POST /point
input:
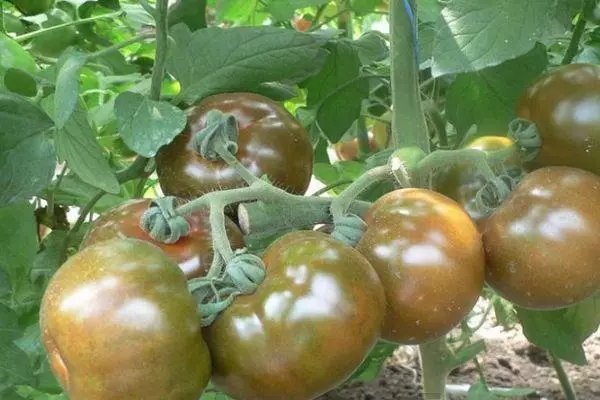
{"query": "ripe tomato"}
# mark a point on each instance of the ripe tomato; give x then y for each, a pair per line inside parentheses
(462, 182)
(542, 244)
(565, 106)
(429, 256)
(271, 142)
(348, 150)
(119, 323)
(192, 253)
(307, 327)
(301, 24)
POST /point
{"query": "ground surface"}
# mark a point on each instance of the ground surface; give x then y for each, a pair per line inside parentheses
(510, 361)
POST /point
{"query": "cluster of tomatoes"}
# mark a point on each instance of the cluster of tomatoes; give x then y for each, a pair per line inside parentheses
(119, 322)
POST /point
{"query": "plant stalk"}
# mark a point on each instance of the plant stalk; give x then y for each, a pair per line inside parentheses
(408, 123)
(577, 33)
(563, 378)
(43, 31)
(434, 366)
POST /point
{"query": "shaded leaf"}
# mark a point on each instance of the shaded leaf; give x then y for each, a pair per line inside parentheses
(27, 159)
(371, 366)
(9, 325)
(20, 82)
(190, 12)
(146, 125)
(215, 60)
(488, 98)
(15, 367)
(563, 331)
(371, 47)
(67, 86)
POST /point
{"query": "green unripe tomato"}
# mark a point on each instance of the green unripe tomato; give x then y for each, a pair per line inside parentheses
(51, 44)
(33, 7)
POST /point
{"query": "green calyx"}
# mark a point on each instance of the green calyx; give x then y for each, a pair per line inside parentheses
(526, 136)
(404, 164)
(162, 223)
(220, 133)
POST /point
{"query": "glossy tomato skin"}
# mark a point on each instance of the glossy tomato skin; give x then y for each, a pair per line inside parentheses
(429, 256)
(307, 327)
(542, 244)
(565, 106)
(271, 142)
(192, 253)
(462, 182)
(118, 323)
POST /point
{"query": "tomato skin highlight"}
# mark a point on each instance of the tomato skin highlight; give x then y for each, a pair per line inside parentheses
(271, 142)
(542, 244)
(118, 323)
(307, 327)
(193, 253)
(429, 256)
(462, 182)
(565, 106)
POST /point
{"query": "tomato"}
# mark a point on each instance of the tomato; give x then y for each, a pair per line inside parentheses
(33, 7)
(565, 106)
(301, 24)
(118, 323)
(348, 150)
(542, 244)
(307, 327)
(271, 142)
(462, 182)
(429, 256)
(52, 44)
(192, 253)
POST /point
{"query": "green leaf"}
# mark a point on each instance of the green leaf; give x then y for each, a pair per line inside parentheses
(9, 325)
(15, 367)
(73, 191)
(563, 331)
(20, 82)
(479, 391)
(190, 12)
(480, 34)
(371, 47)
(12, 55)
(76, 143)
(49, 259)
(281, 10)
(67, 86)
(29, 393)
(217, 60)
(18, 241)
(27, 159)
(487, 98)
(235, 10)
(337, 91)
(146, 125)
(30, 341)
(371, 366)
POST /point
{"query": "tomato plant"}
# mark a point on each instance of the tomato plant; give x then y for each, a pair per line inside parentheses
(540, 244)
(193, 253)
(430, 259)
(52, 45)
(271, 142)
(33, 7)
(316, 288)
(118, 322)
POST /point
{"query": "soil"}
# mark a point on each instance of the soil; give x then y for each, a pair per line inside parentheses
(509, 361)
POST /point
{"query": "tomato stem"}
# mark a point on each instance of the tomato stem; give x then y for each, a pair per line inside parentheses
(40, 32)
(577, 32)
(565, 382)
(408, 123)
(340, 204)
(436, 363)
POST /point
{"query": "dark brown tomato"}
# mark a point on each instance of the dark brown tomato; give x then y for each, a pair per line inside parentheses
(462, 182)
(429, 256)
(118, 323)
(565, 106)
(542, 244)
(271, 142)
(193, 253)
(306, 329)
